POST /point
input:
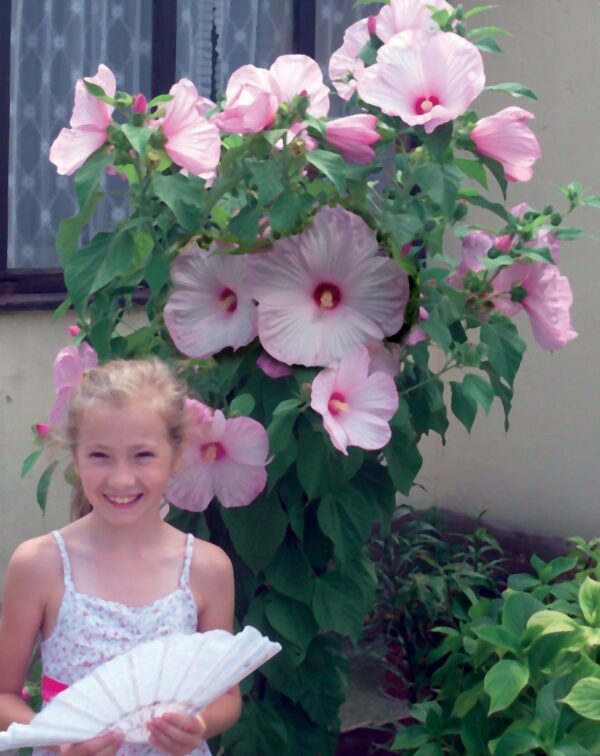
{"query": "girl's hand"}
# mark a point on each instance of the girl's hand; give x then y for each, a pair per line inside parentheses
(104, 745)
(177, 734)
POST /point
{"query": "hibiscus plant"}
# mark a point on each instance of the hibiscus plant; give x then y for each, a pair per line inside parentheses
(295, 270)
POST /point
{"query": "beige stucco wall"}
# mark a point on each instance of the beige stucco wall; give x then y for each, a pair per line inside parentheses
(28, 344)
(543, 475)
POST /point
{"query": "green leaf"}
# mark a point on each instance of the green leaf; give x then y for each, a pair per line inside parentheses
(290, 572)
(106, 257)
(322, 681)
(69, 230)
(488, 44)
(180, 194)
(463, 406)
(411, 737)
(438, 331)
(244, 225)
(286, 213)
(281, 426)
(263, 516)
(589, 600)
(441, 182)
(503, 683)
(439, 140)
(44, 484)
(500, 637)
(292, 619)
(478, 9)
(138, 136)
(157, 274)
(497, 171)
(473, 169)
(402, 454)
(30, 461)
(267, 177)
(90, 174)
(592, 200)
(335, 605)
(569, 233)
(320, 467)
(243, 404)
(331, 165)
(504, 346)
(346, 518)
(473, 391)
(514, 89)
(475, 198)
(517, 609)
(515, 742)
(260, 730)
(584, 698)
(402, 227)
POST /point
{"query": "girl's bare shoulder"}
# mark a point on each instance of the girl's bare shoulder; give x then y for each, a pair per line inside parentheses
(35, 563)
(210, 563)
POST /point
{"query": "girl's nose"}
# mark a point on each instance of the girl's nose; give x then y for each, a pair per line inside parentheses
(122, 476)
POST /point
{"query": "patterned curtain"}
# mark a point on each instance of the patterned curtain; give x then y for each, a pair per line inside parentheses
(53, 43)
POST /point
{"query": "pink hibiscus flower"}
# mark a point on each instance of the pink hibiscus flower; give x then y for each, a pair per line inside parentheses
(325, 290)
(223, 458)
(424, 79)
(273, 368)
(507, 138)
(353, 136)
(254, 94)
(547, 301)
(69, 366)
(408, 15)
(356, 406)
(192, 142)
(210, 308)
(475, 245)
(89, 121)
(345, 66)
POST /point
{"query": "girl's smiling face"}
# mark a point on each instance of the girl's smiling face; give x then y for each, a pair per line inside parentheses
(124, 458)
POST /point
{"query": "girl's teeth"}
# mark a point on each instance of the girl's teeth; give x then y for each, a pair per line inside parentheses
(123, 499)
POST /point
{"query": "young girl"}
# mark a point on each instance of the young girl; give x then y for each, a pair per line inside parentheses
(118, 574)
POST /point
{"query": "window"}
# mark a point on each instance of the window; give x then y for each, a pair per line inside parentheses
(48, 45)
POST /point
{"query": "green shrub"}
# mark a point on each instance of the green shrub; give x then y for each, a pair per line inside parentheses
(520, 675)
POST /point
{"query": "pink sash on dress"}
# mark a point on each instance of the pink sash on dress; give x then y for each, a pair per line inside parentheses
(51, 688)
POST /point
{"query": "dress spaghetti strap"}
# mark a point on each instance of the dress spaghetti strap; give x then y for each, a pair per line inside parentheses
(184, 580)
(64, 555)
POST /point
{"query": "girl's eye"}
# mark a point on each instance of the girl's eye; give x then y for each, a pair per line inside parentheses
(145, 454)
(97, 455)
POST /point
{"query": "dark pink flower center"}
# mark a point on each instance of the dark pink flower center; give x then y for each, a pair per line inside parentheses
(228, 300)
(425, 104)
(212, 452)
(327, 296)
(337, 403)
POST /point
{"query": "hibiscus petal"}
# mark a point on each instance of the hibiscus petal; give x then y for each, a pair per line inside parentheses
(236, 485)
(72, 147)
(89, 110)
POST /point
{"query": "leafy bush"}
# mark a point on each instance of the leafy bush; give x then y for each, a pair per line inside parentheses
(427, 576)
(520, 675)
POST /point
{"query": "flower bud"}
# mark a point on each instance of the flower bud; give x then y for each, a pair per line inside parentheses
(372, 26)
(43, 430)
(74, 330)
(556, 219)
(140, 104)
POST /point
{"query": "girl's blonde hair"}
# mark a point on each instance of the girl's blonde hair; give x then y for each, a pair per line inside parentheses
(117, 383)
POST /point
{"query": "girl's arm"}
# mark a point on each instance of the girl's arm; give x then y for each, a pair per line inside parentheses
(211, 581)
(25, 597)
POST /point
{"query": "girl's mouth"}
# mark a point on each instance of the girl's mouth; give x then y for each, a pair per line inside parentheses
(123, 502)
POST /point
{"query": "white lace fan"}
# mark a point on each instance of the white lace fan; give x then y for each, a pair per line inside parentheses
(183, 673)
